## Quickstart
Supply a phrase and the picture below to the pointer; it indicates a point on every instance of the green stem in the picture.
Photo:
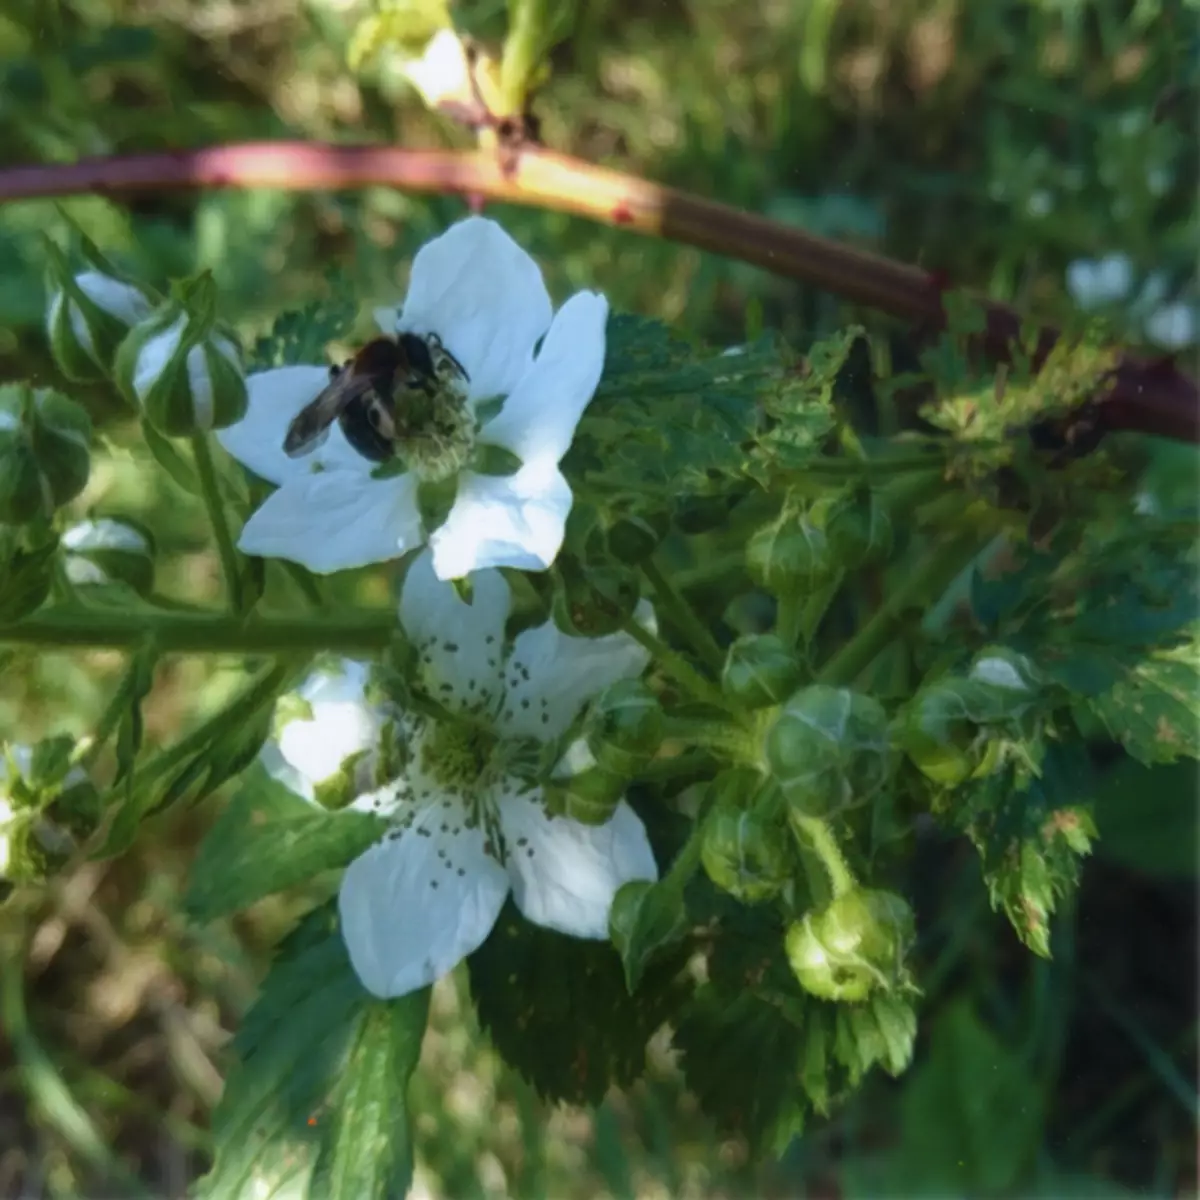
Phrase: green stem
(523, 48)
(733, 741)
(676, 666)
(927, 582)
(683, 616)
(816, 606)
(677, 766)
(352, 632)
(216, 515)
(817, 838)
(687, 860)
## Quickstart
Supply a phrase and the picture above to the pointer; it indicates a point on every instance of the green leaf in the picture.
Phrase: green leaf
(645, 918)
(269, 839)
(558, 1010)
(808, 1055)
(135, 688)
(316, 1107)
(1031, 831)
(1154, 710)
(231, 750)
(26, 578)
(971, 1116)
(667, 418)
(302, 336)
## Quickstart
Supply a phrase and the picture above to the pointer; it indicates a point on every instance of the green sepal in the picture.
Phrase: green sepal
(791, 555)
(110, 549)
(45, 452)
(745, 846)
(87, 316)
(828, 749)
(625, 726)
(179, 368)
(760, 670)
(856, 945)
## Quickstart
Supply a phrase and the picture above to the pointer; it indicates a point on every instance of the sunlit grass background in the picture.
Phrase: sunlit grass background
(997, 142)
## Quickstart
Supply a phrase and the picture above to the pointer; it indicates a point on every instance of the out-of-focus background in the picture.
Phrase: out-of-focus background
(1045, 152)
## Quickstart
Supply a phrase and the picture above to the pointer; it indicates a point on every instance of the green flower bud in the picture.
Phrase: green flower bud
(591, 797)
(760, 669)
(44, 452)
(625, 726)
(945, 729)
(858, 529)
(745, 849)
(791, 554)
(828, 749)
(87, 317)
(633, 539)
(183, 372)
(1008, 671)
(854, 946)
(594, 604)
(105, 550)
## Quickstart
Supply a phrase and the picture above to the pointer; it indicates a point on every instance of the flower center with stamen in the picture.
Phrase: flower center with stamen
(459, 757)
(435, 425)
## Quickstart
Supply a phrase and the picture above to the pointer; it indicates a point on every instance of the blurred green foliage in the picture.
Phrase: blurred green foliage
(995, 142)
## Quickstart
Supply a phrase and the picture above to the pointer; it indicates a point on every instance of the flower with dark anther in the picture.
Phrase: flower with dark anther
(513, 379)
(469, 822)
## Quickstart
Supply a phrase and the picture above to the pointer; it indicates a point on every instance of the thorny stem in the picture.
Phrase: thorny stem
(349, 633)
(683, 616)
(1151, 396)
(926, 583)
(676, 666)
(818, 840)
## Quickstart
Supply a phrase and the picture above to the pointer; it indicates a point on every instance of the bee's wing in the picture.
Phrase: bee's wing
(310, 426)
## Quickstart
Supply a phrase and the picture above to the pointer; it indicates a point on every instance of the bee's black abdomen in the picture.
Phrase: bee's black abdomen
(364, 436)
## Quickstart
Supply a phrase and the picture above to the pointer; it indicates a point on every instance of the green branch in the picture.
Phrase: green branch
(923, 586)
(361, 631)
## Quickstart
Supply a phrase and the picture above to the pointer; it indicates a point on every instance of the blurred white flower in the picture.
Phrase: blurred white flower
(308, 751)
(1173, 326)
(477, 291)
(468, 825)
(1097, 283)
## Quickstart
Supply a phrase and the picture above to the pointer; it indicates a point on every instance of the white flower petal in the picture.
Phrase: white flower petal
(538, 419)
(273, 398)
(335, 520)
(120, 300)
(484, 297)
(1173, 326)
(342, 724)
(459, 645)
(549, 675)
(417, 903)
(441, 73)
(503, 521)
(565, 874)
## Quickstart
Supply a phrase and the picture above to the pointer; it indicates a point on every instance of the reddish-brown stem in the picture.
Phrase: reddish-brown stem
(1151, 396)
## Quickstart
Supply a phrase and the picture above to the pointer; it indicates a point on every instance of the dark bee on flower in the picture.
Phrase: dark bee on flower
(383, 396)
